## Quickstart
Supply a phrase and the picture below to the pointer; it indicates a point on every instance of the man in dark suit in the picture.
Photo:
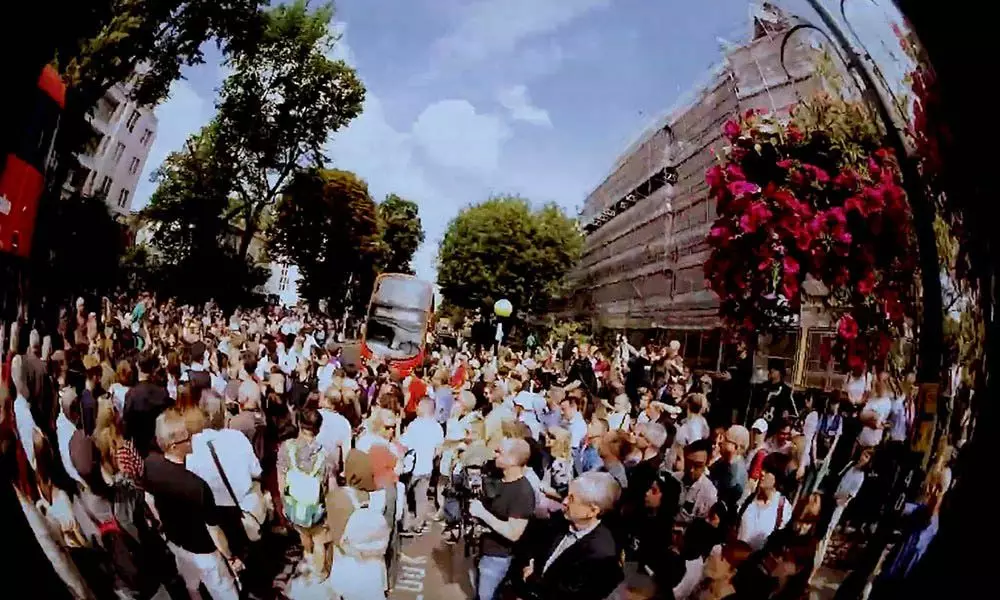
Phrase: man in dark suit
(581, 563)
(143, 403)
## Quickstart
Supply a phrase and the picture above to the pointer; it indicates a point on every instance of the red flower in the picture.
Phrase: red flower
(720, 236)
(731, 130)
(785, 164)
(755, 217)
(734, 172)
(856, 204)
(847, 328)
(714, 177)
(749, 114)
(846, 179)
(867, 283)
(794, 135)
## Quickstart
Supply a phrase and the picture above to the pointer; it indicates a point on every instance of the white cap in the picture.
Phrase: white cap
(760, 425)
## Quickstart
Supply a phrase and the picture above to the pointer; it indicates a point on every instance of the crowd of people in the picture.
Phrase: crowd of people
(153, 446)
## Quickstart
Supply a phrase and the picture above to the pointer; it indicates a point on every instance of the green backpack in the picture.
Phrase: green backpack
(305, 504)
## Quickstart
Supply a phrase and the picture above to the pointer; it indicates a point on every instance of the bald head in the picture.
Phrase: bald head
(514, 452)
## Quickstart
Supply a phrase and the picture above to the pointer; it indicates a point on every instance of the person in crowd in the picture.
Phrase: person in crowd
(425, 437)
(822, 438)
(767, 510)
(589, 456)
(124, 375)
(505, 515)
(226, 461)
(336, 431)
(305, 473)
(698, 493)
(583, 561)
(777, 402)
(573, 421)
(143, 404)
(729, 473)
(613, 447)
(359, 571)
(249, 420)
(649, 439)
(875, 414)
(185, 505)
(559, 471)
(694, 427)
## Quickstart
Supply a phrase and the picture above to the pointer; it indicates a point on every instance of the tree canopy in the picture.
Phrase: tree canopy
(279, 106)
(327, 225)
(401, 233)
(502, 248)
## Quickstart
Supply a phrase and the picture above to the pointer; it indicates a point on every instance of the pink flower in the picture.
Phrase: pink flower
(790, 266)
(856, 204)
(731, 130)
(742, 188)
(847, 329)
(734, 172)
(720, 236)
(749, 114)
(818, 175)
(786, 163)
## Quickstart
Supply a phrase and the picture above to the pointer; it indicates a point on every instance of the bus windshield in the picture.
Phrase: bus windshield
(398, 317)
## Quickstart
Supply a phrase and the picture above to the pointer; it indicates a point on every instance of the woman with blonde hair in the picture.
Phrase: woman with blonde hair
(118, 456)
(560, 470)
(124, 375)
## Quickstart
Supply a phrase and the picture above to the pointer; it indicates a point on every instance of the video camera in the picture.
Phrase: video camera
(473, 482)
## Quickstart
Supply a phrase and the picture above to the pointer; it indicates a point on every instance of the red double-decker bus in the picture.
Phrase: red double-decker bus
(399, 315)
(22, 179)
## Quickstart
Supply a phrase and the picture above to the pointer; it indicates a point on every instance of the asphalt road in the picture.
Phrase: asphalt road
(432, 570)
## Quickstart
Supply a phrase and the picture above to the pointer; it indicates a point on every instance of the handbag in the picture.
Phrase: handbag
(250, 522)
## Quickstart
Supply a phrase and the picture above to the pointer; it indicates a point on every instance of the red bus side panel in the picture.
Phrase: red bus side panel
(20, 188)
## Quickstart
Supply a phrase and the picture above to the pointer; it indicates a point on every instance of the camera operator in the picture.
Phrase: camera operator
(506, 514)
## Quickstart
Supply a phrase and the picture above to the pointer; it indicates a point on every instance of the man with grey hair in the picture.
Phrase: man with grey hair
(651, 439)
(583, 562)
(226, 461)
(249, 420)
(24, 420)
(186, 506)
(69, 415)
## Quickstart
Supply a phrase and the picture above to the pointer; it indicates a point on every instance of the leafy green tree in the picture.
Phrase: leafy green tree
(327, 225)
(195, 247)
(502, 248)
(111, 39)
(279, 106)
(401, 233)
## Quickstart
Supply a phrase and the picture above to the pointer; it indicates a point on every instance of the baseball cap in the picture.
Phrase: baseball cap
(760, 425)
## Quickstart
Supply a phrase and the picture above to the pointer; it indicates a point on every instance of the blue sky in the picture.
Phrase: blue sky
(470, 98)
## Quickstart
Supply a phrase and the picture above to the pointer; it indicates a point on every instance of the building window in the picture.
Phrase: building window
(132, 120)
(123, 199)
(283, 279)
(105, 186)
(119, 152)
(146, 135)
(133, 166)
(102, 146)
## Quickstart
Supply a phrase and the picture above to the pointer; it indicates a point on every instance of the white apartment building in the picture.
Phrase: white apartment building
(125, 132)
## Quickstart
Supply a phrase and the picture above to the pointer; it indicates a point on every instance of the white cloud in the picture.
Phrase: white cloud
(515, 99)
(182, 114)
(453, 134)
(492, 27)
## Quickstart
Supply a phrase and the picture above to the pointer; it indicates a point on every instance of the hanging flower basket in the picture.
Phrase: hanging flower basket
(811, 195)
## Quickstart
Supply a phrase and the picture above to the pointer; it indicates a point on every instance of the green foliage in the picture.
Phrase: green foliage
(502, 248)
(76, 247)
(279, 106)
(327, 225)
(144, 43)
(195, 255)
(401, 233)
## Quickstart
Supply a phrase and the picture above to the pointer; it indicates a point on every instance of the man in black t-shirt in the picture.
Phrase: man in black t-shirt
(506, 515)
(185, 507)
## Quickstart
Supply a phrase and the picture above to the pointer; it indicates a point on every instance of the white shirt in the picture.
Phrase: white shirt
(850, 484)
(695, 427)
(424, 436)
(759, 520)
(325, 377)
(694, 571)
(64, 433)
(577, 431)
(856, 387)
(367, 439)
(571, 537)
(334, 434)
(809, 427)
(701, 496)
(25, 428)
(619, 421)
(237, 458)
(118, 392)
(870, 436)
